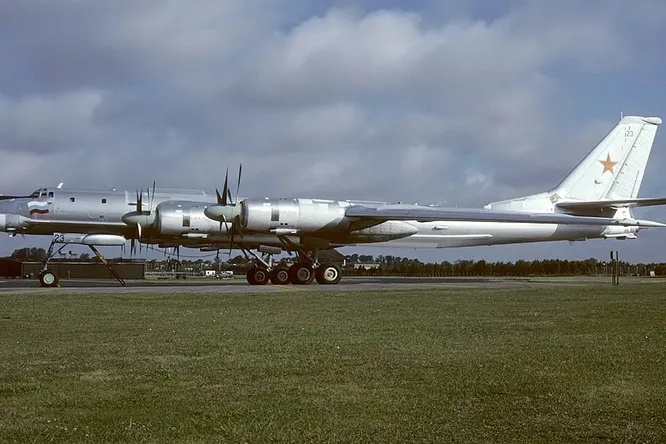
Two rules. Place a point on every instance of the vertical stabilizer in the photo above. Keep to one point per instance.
(614, 168)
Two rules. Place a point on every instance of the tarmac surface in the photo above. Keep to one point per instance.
(239, 285)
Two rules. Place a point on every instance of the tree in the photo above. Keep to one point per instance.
(29, 254)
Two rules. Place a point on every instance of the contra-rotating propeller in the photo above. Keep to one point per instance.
(227, 210)
(140, 218)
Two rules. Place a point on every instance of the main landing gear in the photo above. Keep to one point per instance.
(298, 274)
(304, 272)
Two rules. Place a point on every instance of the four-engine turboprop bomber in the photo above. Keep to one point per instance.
(593, 201)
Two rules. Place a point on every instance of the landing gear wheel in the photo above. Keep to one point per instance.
(301, 274)
(257, 276)
(48, 279)
(280, 276)
(328, 274)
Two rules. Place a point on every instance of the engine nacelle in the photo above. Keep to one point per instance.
(301, 215)
(12, 222)
(177, 218)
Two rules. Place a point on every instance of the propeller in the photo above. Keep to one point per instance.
(141, 218)
(226, 211)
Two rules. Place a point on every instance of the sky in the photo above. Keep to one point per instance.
(459, 102)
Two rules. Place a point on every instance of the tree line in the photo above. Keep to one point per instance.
(547, 267)
(369, 265)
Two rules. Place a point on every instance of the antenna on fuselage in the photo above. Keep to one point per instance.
(60, 185)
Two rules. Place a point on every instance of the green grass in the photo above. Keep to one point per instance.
(530, 364)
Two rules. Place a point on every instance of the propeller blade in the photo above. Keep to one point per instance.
(225, 188)
(240, 171)
(229, 194)
(226, 224)
(138, 228)
(237, 223)
(219, 198)
(152, 197)
(139, 199)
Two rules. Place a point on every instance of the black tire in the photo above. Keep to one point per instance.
(257, 276)
(280, 276)
(301, 274)
(48, 279)
(328, 274)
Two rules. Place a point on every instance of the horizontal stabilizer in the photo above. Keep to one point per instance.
(429, 214)
(586, 206)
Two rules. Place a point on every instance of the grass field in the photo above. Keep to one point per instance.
(531, 364)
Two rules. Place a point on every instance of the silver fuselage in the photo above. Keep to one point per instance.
(53, 210)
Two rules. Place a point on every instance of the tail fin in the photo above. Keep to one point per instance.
(614, 168)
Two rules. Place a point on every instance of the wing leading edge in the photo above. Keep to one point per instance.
(431, 214)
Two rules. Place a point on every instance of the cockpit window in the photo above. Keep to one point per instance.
(39, 193)
(50, 193)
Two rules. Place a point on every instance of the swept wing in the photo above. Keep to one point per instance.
(431, 214)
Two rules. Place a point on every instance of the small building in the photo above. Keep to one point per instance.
(87, 270)
(10, 268)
